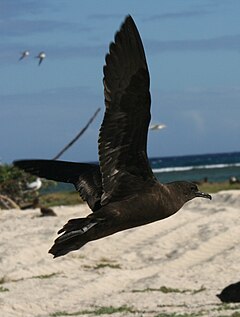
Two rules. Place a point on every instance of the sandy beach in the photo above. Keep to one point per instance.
(177, 265)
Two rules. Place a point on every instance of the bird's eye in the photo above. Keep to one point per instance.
(194, 188)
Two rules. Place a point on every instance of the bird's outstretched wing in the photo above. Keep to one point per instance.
(85, 177)
(123, 134)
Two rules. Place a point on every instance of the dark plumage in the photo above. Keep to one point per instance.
(47, 212)
(230, 294)
(122, 190)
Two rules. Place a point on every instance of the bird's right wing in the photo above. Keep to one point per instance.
(123, 135)
(85, 177)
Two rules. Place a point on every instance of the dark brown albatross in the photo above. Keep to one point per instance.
(122, 190)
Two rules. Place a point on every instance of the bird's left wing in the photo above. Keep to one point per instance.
(85, 177)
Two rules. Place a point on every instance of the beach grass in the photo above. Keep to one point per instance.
(105, 310)
(3, 289)
(217, 187)
(126, 311)
(45, 276)
(165, 290)
(60, 199)
(104, 263)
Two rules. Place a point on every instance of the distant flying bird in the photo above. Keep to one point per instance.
(41, 57)
(34, 185)
(157, 126)
(24, 54)
(122, 190)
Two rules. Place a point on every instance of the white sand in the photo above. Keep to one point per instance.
(198, 248)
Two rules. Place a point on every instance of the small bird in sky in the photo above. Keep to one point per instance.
(41, 57)
(24, 54)
(157, 126)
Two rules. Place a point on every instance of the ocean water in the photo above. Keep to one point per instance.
(215, 167)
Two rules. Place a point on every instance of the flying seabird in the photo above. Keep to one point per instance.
(41, 57)
(24, 54)
(159, 126)
(122, 190)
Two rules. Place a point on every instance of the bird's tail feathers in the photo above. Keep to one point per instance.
(73, 237)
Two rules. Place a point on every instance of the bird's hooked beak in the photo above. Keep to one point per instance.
(203, 195)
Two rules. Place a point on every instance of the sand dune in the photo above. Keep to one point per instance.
(194, 254)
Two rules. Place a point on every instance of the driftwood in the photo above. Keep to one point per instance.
(7, 203)
(77, 136)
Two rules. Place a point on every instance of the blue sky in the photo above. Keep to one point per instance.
(193, 53)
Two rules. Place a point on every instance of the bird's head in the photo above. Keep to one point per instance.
(187, 191)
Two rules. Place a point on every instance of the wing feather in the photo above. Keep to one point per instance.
(85, 177)
(123, 134)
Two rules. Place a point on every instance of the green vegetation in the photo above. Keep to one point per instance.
(165, 289)
(8, 172)
(236, 314)
(3, 289)
(6, 279)
(226, 306)
(60, 199)
(216, 187)
(13, 184)
(177, 315)
(104, 262)
(125, 309)
(108, 310)
(110, 265)
(45, 276)
(3, 280)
